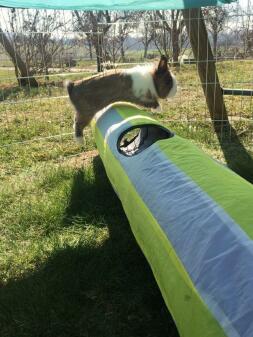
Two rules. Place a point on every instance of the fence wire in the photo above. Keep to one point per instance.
(48, 47)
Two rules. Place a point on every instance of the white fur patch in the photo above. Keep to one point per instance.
(142, 80)
(173, 90)
(158, 109)
(79, 140)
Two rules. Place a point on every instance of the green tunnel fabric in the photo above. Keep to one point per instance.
(193, 220)
(112, 4)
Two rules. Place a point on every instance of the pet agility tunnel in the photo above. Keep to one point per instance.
(192, 218)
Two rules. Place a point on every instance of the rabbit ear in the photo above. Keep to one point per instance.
(163, 64)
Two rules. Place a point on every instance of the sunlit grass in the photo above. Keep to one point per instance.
(69, 265)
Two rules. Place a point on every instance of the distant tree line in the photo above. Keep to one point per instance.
(36, 40)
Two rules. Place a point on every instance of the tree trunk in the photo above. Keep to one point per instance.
(175, 44)
(23, 74)
(164, 42)
(122, 51)
(215, 39)
(145, 50)
(145, 42)
(202, 51)
(175, 40)
(98, 49)
(90, 46)
(249, 42)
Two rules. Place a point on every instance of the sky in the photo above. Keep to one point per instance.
(247, 6)
(244, 3)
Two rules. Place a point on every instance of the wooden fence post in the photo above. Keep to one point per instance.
(196, 29)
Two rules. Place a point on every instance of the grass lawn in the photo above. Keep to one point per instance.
(69, 264)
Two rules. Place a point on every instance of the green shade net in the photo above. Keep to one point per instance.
(112, 4)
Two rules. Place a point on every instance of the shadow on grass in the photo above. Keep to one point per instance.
(235, 154)
(86, 291)
(13, 92)
(9, 91)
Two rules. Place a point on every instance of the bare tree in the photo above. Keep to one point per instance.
(176, 27)
(215, 18)
(83, 24)
(23, 74)
(115, 42)
(161, 35)
(124, 30)
(89, 42)
(37, 41)
(246, 32)
(31, 42)
(96, 26)
(147, 31)
(168, 32)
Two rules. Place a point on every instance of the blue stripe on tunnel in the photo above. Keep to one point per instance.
(112, 118)
(216, 253)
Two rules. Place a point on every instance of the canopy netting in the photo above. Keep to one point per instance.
(112, 4)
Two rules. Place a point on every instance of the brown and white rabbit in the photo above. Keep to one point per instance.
(141, 85)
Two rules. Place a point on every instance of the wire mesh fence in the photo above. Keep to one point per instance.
(61, 224)
(57, 209)
(39, 49)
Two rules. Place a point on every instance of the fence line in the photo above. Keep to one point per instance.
(25, 142)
